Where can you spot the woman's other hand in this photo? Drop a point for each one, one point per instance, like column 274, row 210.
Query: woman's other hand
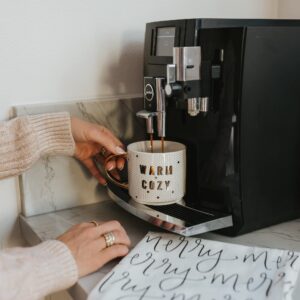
column 90, row 141
column 88, row 246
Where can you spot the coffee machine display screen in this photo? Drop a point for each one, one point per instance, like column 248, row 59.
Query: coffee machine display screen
column 165, row 38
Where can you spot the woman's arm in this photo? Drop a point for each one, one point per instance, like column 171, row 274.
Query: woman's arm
column 24, row 140
column 34, row 272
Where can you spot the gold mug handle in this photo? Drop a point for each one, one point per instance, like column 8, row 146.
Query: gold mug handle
column 114, row 180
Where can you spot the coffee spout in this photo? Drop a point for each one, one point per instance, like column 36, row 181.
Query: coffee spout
column 148, row 115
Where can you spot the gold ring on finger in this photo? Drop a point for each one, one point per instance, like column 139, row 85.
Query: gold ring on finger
column 109, row 239
column 95, row 223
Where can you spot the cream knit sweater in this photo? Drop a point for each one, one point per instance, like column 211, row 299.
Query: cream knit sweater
column 33, row 272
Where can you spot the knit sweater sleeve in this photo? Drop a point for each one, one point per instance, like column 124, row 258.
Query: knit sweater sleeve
column 24, row 140
column 34, row 272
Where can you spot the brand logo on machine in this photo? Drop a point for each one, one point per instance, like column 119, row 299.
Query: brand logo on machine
column 149, row 92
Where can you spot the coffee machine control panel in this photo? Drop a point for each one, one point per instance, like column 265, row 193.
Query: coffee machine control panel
column 177, row 72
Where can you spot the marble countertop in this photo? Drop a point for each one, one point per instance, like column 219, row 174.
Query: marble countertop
column 48, row 226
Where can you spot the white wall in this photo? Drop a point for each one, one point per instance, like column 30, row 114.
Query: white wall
column 289, row 9
column 59, row 50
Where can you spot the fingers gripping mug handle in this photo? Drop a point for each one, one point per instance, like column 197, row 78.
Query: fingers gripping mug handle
column 114, row 180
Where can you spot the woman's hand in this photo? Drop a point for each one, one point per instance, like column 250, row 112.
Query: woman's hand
column 88, row 245
column 90, row 141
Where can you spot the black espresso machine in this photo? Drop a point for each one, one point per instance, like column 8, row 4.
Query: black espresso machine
column 230, row 91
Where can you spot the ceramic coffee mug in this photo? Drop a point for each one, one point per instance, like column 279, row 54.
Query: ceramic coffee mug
column 154, row 178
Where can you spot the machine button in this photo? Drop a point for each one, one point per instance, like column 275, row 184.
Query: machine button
column 168, row 90
column 171, row 89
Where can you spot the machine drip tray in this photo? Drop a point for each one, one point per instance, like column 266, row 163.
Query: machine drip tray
column 177, row 218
